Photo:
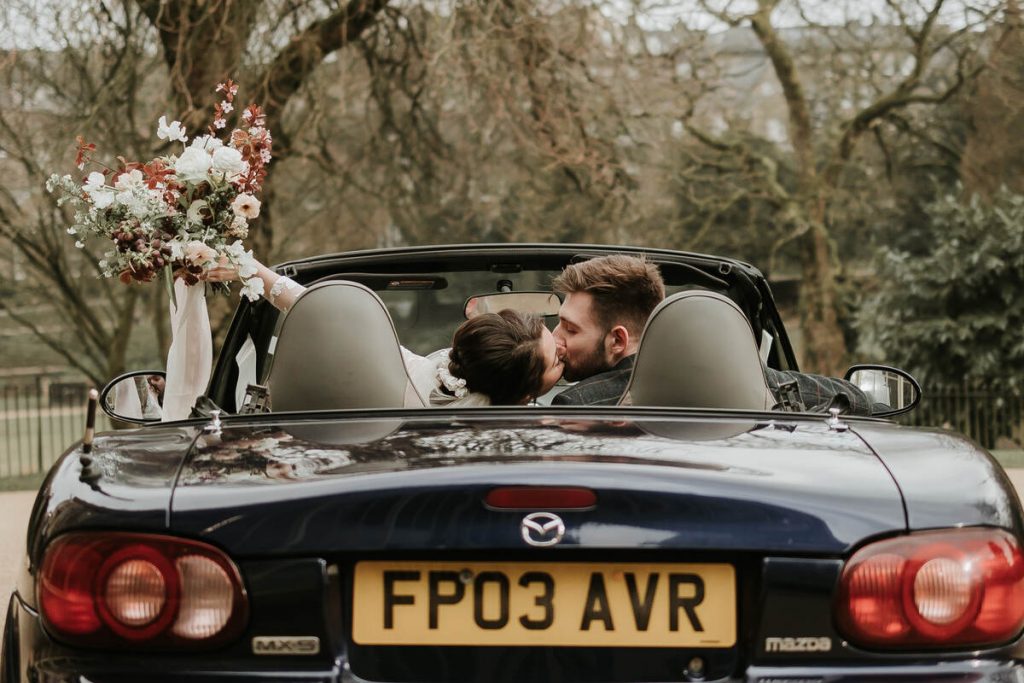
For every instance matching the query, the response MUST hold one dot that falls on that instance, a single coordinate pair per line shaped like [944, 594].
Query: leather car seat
[698, 351]
[338, 349]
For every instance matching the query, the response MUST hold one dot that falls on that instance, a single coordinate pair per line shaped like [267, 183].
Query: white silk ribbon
[190, 358]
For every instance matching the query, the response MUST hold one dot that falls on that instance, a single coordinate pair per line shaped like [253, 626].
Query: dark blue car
[668, 542]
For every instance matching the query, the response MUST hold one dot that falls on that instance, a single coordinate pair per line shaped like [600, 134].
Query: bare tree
[95, 73]
[931, 52]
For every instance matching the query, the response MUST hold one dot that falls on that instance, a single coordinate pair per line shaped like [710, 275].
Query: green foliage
[955, 313]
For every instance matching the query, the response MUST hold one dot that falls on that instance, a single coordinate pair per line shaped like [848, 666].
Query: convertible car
[289, 531]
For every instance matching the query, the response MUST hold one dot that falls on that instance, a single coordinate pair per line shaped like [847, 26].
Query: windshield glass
[426, 318]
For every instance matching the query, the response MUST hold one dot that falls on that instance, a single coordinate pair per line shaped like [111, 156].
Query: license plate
[526, 603]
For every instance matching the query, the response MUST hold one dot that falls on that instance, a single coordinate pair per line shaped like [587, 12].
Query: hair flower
[456, 385]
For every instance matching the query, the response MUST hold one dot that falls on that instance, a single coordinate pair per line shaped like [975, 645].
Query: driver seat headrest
[338, 349]
[698, 351]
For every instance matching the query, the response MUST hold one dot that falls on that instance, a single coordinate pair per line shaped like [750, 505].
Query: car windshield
[425, 318]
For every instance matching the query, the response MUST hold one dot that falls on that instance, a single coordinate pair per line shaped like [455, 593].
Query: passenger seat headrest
[338, 349]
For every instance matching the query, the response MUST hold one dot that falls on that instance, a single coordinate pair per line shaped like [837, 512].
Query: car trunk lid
[723, 483]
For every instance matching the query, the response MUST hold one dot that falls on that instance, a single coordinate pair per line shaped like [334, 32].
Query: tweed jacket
[815, 393]
[818, 393]
[602, 389]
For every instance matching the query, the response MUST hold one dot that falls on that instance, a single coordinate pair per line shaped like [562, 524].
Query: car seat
[698, 351]
[337, 349]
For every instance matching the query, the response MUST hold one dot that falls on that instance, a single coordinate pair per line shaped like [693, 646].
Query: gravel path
[15, 507]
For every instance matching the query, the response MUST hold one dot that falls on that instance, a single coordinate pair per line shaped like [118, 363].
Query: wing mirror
[535, 303]
[135, 397]
[891, 391]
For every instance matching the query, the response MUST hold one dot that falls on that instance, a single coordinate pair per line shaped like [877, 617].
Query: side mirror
[535, 303]
[135, 397]
[891, 391]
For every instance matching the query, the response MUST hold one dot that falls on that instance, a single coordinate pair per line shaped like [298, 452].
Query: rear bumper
[30, 655]
[978, 671]
[970, 671]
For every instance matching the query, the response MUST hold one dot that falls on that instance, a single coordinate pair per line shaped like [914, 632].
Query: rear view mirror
[891, 391]
[535, 303]
[135, 397]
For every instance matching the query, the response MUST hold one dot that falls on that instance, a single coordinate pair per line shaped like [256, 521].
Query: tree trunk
[824, 345]
[203, 42]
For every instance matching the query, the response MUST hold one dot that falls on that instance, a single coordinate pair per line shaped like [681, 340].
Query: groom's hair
[499, 355]
[625, 289]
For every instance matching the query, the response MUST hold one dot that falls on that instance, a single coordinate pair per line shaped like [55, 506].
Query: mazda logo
[542, 529]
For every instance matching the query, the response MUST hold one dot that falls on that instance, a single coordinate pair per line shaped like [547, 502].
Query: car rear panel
[676, 498]
[303, 507]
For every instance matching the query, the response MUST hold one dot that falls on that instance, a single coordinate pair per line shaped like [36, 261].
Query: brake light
[949, 588]
[540, 497]
[105, 588]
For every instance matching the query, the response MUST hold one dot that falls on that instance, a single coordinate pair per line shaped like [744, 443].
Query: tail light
[952, 588]
[106, 588]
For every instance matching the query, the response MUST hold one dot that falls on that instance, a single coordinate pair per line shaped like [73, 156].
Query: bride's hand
[224, 271]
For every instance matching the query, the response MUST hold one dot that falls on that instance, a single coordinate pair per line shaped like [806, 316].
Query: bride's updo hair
[499, 355]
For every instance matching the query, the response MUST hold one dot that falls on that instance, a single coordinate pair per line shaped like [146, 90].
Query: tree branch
[305, 51]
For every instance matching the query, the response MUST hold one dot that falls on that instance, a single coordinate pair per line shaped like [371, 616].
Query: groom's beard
[589, 365]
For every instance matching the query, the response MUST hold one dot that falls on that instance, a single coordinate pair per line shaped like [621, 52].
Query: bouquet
[179, 214]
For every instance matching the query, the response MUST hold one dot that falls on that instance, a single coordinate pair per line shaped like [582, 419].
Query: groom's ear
[619, 341]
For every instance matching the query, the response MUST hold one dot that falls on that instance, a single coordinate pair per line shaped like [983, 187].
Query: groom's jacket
[602, 389]
[815, 392]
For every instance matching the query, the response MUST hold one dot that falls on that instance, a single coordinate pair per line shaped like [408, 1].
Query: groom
[606, 303]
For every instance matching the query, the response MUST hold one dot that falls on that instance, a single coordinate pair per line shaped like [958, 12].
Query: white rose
[246, 206]
[207, 142]
[228, 160]
[192, 165]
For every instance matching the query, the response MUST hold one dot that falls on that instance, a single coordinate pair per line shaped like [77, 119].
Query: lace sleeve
[284, 292]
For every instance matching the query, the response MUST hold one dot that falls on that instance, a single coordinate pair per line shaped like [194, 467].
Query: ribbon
[190, 358]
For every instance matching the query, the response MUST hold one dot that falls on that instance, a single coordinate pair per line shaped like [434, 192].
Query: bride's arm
[279, 290]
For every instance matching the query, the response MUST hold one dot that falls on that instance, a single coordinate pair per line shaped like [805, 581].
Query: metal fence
[993, 420]
[40, 419]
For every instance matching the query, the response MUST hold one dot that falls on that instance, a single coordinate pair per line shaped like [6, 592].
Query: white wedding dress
[437, 386]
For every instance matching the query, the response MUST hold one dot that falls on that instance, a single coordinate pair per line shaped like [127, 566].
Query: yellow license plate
[528, 603]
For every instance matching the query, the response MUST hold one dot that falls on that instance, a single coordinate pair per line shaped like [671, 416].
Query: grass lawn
[29, 482]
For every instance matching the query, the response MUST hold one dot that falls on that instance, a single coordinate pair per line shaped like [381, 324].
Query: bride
[503, 358]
